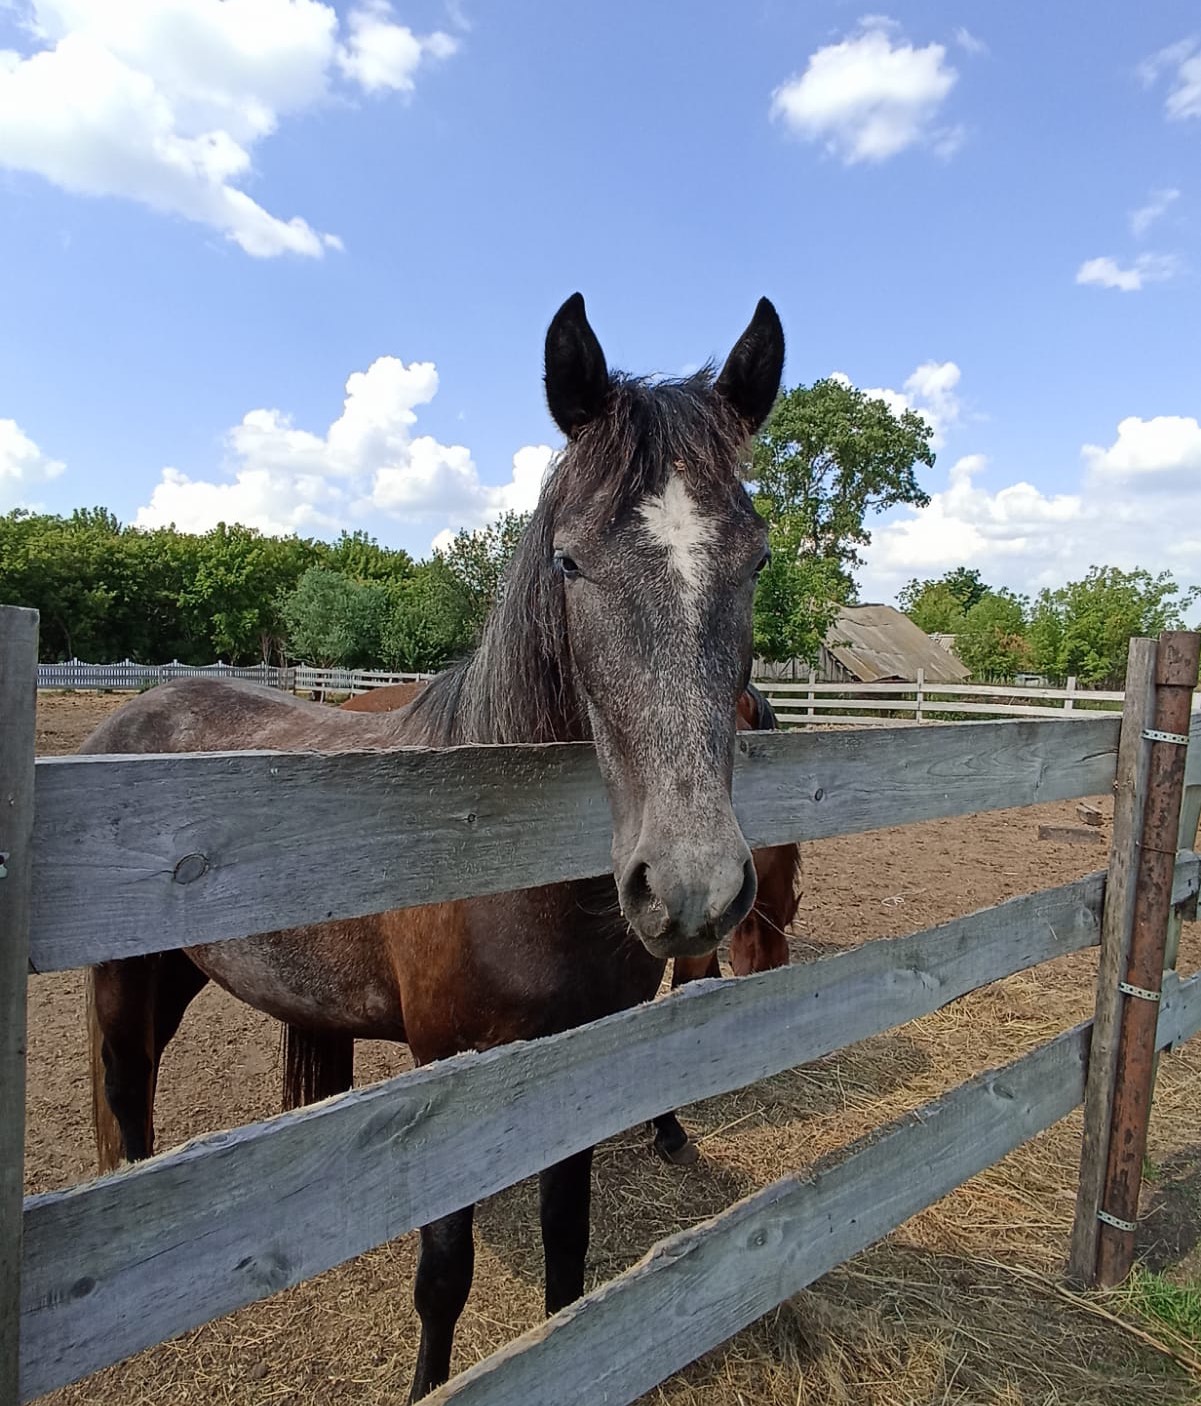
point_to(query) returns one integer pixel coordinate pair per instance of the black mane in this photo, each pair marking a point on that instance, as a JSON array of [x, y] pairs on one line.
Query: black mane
[[517, 686]]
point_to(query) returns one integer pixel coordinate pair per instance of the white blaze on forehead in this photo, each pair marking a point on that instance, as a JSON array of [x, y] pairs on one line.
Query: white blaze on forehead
[[673, 521]]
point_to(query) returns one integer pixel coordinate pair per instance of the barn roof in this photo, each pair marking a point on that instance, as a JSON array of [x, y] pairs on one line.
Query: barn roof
[[875, 643]]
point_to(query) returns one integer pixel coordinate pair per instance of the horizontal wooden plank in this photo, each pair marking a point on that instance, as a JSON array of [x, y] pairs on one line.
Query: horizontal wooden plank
[[1008, 710], [139, 854], [703, 1285], [848, 690], [696, 1289], [117, 1264], [881, 705], [982, 690], [857, 719]]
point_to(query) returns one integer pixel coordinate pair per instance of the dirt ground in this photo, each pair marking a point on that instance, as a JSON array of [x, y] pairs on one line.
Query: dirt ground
[[960, 1305]]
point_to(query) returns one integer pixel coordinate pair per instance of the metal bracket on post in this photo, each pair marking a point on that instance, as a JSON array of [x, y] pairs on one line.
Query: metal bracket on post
[[1140, 991], [1152, 734], [1117, 1222]]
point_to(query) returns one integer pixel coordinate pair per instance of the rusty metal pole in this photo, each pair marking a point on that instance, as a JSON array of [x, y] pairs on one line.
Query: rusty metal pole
[[1175, 678]]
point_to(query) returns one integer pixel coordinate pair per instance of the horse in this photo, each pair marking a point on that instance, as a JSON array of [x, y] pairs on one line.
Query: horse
[[638, 566], [759, 943]]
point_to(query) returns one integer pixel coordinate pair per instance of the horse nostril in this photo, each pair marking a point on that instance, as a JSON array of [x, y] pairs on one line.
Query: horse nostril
[[745, 899], [637, 897]]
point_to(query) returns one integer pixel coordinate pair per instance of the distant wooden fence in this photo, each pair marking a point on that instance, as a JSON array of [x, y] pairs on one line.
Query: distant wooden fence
[[299, 678], [128, 676], [307, 679], [116, 1265], [898, 704]]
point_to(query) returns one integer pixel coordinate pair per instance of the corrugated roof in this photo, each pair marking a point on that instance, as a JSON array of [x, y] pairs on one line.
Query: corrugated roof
[[879, 642]]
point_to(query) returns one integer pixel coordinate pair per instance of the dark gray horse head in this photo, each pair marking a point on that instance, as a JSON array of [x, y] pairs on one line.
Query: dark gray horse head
[[654, 546]]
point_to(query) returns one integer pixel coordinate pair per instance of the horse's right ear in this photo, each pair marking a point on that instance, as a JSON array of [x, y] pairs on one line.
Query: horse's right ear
[[750, 379], [577, 378]]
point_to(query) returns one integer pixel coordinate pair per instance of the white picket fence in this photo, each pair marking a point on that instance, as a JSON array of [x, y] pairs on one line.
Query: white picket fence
[[132, 677]]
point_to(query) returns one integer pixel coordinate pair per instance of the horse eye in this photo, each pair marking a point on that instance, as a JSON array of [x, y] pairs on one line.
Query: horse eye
[[764, 562], [566, 565]]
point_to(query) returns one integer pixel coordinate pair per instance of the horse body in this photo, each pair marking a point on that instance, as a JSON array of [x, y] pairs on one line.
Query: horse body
[[638, 565]]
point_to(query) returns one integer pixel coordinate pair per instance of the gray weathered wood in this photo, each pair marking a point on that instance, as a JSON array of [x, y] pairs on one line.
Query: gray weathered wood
[[129, 1260], [293, 838], [280, 840], [1190, 818], [18, 709], [696, 1289], [1130, 790], [701, 1286], [1069, 835]]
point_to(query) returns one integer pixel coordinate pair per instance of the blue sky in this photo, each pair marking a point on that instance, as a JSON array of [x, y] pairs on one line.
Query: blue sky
[[291, 263]]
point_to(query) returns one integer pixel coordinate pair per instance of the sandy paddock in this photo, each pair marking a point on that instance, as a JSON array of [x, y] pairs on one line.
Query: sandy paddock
[[958, 1305]]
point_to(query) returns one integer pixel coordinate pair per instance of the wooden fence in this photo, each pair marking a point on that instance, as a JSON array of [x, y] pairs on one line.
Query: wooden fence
[[132, 677], [94, 870], [308, 679], [812, 701]]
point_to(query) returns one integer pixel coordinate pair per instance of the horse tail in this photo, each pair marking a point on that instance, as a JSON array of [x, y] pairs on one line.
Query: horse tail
[[316, 1065], [110, 1145]]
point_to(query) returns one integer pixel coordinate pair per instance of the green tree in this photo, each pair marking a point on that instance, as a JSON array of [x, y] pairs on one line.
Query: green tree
[[332, 620], [940, 606], [991, 641], [1085, 627], [478, 561], [430, 622], [827, 458]]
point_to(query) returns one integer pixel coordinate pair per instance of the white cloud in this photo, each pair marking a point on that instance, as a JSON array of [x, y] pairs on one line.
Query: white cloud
[[1147, 268], [22, 464], [1136, 503], [282, 478], [1163, 452], [870, 95], [1183, 61], [164, 101], [930, 390], [1146, 215], [968, 42]]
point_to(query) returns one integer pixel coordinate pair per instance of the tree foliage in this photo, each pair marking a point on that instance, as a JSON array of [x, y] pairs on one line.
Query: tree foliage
[[827, 458], [478, 561], [1084, 628]]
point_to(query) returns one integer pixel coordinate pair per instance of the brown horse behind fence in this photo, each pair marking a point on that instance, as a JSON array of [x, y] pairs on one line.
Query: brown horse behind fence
[[758, 944], [638, 565]]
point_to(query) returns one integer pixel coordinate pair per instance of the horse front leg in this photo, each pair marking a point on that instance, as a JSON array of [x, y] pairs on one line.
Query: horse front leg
[[564, 1204], [445, 1269]]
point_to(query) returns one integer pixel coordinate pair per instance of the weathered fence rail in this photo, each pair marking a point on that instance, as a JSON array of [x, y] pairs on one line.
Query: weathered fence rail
[[137, 854], [307, 679]]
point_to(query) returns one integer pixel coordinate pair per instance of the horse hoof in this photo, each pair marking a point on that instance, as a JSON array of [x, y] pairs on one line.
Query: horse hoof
[[684, 1154]]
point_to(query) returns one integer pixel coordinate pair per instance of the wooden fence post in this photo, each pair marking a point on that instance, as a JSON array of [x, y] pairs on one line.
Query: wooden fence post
[[1069, 703], [1175, 678], [18, 709], [812, 681], [921, 683], [1130, 792]]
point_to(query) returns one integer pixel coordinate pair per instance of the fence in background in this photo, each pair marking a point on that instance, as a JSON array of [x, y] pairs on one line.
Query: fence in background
[[131, 677]]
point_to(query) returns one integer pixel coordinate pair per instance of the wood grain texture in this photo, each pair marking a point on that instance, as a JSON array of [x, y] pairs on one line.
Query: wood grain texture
[[117, 1264], [1130, 793], [18, 708], [1176, 668], [702, 1286], [278, 840]]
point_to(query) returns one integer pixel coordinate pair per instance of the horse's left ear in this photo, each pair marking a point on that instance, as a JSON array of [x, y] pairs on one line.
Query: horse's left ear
[[750, 379], [577, 377]]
